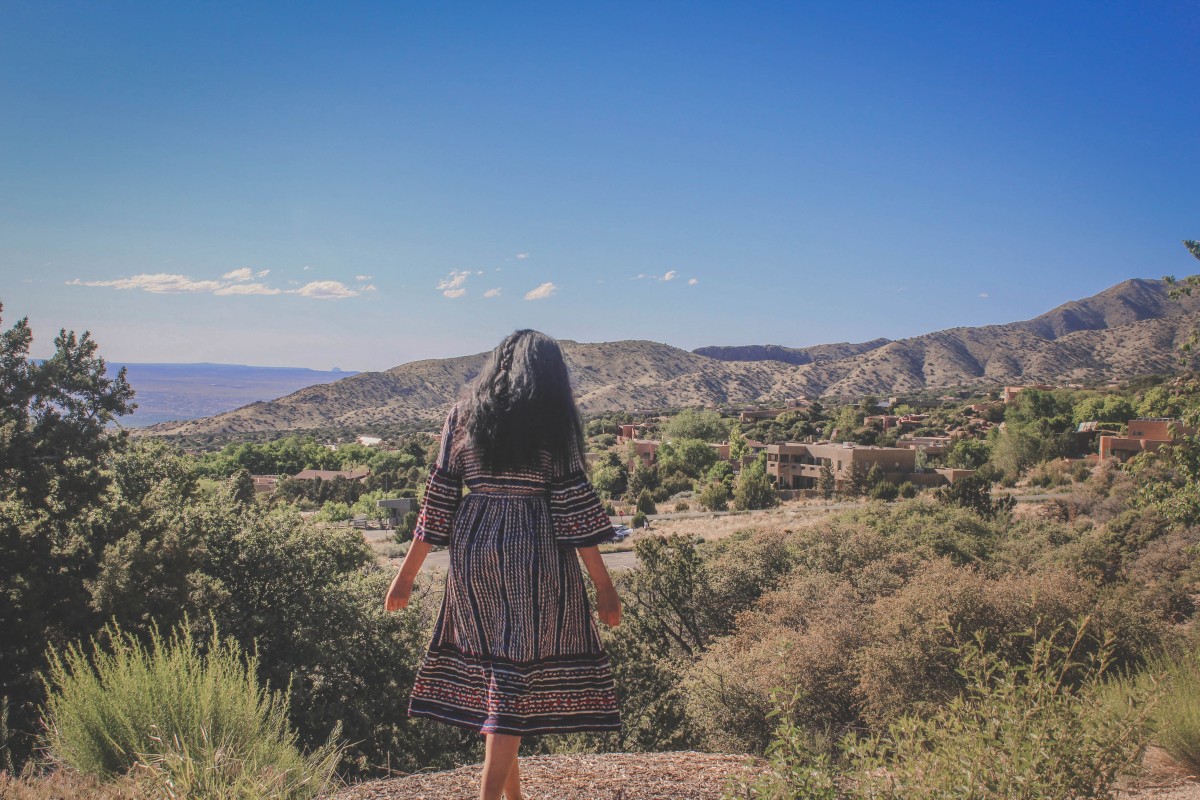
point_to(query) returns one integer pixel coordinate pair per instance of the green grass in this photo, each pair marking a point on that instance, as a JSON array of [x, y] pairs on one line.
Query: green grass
[[192, 723]]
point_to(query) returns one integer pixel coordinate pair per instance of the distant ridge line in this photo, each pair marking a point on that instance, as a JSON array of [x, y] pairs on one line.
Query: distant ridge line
[[1127, 330]]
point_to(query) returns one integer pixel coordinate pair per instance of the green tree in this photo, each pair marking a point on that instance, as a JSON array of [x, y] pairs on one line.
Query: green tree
[[692, 457], [241, 487], [643, 478], [704, 424], [645, 503], [737, 444], [54, 441], [974, 492], [858, 479], [968, 454], [714, 497], [753, 487], [1112, 409], [610, 480], [826, 481]]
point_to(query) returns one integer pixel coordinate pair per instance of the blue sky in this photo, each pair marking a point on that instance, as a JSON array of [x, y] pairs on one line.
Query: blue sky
[[364, 184]]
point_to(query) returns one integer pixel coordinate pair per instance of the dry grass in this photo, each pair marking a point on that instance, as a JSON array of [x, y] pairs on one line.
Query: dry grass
[[67, 785]]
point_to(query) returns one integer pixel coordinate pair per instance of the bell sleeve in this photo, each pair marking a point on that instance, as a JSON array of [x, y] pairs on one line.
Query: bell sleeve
[[578, 518], [443, 492]]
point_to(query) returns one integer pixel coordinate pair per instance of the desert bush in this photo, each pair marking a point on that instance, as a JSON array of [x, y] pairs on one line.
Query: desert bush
[[681, 506], [1030, 729], [884, 491], [1177, 721], [714, 497], [907, 490], [1048, 475], [199, 721], [800, 636]]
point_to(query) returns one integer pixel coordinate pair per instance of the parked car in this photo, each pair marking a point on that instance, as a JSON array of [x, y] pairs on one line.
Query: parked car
[[620, 533]]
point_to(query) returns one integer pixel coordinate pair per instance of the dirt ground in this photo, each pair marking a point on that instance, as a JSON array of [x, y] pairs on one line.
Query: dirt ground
[[671, 776]]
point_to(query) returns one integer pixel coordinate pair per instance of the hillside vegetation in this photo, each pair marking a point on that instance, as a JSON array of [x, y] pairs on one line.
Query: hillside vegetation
[[1128, 330]]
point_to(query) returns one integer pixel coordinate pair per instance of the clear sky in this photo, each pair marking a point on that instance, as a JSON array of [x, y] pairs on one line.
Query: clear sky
[[364, 184]]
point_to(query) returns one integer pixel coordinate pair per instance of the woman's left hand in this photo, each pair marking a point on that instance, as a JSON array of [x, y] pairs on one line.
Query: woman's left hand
[[608, 606]]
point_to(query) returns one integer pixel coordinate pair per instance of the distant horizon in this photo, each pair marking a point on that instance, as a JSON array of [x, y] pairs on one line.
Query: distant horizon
[[374, 185], [122, 362]]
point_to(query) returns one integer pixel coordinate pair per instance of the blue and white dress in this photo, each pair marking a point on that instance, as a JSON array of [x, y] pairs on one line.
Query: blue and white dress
[[515, 649]]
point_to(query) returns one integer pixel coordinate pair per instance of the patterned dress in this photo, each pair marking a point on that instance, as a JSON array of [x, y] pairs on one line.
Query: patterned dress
[[515, 649]]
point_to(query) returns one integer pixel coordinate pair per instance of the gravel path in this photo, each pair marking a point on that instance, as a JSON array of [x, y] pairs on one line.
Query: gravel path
[[660, 776], [611, 776]]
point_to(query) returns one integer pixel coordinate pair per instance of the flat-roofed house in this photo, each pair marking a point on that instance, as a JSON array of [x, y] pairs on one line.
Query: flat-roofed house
[[1143, 435], [797, 465]]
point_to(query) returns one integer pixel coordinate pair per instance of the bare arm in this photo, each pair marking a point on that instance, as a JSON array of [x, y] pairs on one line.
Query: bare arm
[[400, 591], [608, 605]]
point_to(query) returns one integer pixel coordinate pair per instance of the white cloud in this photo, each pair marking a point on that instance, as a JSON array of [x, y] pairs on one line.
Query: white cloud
[[692, 281], [157, 283], [452, 285], [983, 295], [669, 275], [262, 273], [542, 292], [522, 256], [247, 288], [325, 290], [492, 293], [243, 274], [363, 278], [367, 287], [307, 268]]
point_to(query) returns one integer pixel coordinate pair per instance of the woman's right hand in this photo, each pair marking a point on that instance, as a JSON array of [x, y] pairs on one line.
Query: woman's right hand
[[398, 593]]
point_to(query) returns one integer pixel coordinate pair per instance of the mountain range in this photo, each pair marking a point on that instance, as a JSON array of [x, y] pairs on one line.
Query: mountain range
[[1128, 330]]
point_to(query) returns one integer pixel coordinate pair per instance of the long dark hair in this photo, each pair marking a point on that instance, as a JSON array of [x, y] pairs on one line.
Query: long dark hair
[[521, 406]]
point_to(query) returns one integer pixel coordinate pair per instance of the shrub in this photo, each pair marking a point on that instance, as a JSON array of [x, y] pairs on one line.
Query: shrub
[[714, 497], [639, 520], [404, 530], [907, 490], [1029, 729], [1025, 729], [645, 503], [681, 506], [1177, 722], [884, 491], [198, 722]]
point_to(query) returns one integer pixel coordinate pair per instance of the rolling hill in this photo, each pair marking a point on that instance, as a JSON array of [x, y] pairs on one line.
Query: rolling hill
[[1127, 330]]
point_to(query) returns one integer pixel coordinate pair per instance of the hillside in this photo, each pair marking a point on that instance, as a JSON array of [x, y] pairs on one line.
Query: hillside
[[1128, 330]]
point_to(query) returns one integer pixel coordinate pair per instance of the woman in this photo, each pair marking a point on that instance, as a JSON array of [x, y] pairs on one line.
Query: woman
[[514, 650]]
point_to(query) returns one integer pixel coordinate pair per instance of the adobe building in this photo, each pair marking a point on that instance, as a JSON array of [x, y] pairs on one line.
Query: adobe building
[[630, 432], [796, 465], [1009, 393], [755, 414], [1141, 436], [647, 453]]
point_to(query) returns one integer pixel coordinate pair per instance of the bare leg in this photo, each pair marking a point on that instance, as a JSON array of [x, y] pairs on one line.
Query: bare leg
[[498, 763], [512, 786]]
